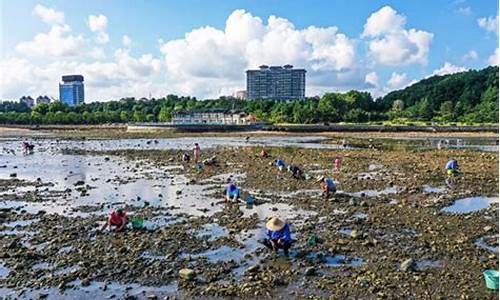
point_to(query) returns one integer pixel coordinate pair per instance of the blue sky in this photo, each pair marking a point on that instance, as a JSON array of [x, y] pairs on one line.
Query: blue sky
[[202, 48]]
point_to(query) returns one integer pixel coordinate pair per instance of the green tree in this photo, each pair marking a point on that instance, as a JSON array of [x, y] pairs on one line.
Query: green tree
[[446, 111]]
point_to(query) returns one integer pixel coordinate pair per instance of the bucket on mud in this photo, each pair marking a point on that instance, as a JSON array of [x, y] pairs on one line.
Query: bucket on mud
[[249, 200], [491, 278], [199, 167], [313, 240], [137, 223]]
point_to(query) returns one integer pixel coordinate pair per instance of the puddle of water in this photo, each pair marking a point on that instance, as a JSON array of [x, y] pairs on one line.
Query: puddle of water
[[428, 264], [66, 249], [375, 193], [360, 215], [266, 210], [18, 232], [67, 270], [43, 266], [95, 290], [431, 189], [153, 255], [373, 167], [4, 271], [211, 232], [346, 231], [336, 260], [159, 222], [485, 144], [223, 253], [21, 223], [489, 243], [469, 205]]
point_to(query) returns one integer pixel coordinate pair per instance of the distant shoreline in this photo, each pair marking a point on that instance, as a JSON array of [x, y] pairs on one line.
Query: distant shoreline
[[117, 131], [299, 128]]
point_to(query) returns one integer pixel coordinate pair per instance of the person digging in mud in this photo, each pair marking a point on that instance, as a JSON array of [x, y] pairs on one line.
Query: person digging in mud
[[231, 192], [263, 153], [196, 153], [28, 148], [296, 172], [116, 221], [337, 164], [452, 170], [278, 235], [327, 185], [280, 164], [186, 157]]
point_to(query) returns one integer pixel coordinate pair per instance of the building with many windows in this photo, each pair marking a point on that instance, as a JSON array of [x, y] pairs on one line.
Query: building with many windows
[[42, 99], [210, 117], [30, 102], [240, 95], [276, 82], [71, 90]]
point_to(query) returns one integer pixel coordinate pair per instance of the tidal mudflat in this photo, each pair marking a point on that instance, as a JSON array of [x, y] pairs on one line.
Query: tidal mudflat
[[394, 229]]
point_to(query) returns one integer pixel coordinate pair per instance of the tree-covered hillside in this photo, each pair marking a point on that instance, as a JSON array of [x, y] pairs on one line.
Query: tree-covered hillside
[[466, 96], [470, 97]]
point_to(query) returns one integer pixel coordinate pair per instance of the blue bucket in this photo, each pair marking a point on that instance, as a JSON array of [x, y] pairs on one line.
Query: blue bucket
[[249, 200]]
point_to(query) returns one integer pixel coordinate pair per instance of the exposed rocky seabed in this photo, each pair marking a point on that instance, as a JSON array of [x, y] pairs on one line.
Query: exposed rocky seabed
[[393, 230]]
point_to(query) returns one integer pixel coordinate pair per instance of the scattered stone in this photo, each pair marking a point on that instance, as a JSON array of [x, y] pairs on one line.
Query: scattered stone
[[187, 274], [310, 271], [407, 265]]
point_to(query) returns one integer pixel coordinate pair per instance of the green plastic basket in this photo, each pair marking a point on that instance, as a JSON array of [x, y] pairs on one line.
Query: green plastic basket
[[137, 223], [491, 278]]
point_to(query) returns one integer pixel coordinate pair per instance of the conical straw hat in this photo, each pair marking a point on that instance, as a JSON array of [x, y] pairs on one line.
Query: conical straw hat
[[275, 224]]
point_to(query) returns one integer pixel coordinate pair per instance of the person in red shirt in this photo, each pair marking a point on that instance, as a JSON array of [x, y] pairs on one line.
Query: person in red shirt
[[116, 221]]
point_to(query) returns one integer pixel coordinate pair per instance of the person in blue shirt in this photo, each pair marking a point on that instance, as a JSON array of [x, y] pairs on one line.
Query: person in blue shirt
[[278, 235], [231, 192], [451, 171], [451, 167], [327, 185], [280, 164]]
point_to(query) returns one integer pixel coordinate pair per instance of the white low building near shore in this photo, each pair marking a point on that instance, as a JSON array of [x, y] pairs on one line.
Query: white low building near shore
[[210, 117]]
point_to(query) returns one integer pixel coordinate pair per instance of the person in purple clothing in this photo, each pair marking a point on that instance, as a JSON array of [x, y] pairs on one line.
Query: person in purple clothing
[[277, 235]]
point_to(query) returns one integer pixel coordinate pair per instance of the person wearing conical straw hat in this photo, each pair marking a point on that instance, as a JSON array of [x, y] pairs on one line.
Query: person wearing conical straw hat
[[327, 185], [278, 235]]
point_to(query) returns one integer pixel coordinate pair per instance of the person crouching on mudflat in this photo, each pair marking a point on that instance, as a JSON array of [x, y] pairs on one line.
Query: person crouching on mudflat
[[278, 235], [116, 221]]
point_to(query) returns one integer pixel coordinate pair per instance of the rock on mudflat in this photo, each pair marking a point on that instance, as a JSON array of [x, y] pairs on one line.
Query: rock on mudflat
[[252, 269], [187, 273], [407, 265], [311, 271]]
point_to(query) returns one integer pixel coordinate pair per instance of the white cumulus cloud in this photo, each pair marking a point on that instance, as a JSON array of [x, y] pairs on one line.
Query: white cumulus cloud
[[372, 78], [99, 24], [208, 60], [57, 42], [48, 15], [448, 68], [470, 55], [390, 43], [397, 81], [126, 41], [494, 59], [489, 24]]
